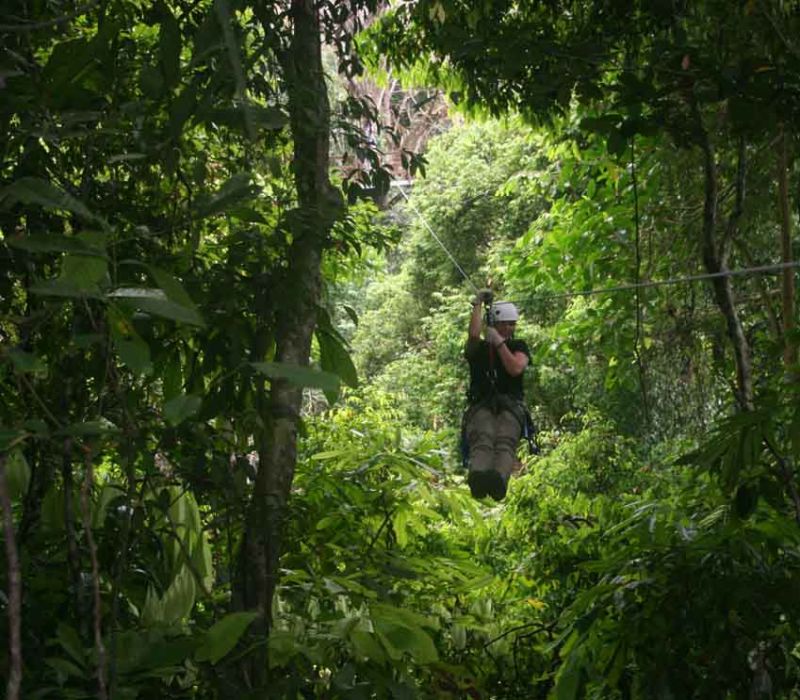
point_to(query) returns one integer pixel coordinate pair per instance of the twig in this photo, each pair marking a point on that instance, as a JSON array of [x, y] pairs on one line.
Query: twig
[[378, 533], [102, 693], [540, 627], [39, 400], [32, 26], [73, 558], [637, 338], [14, 590]]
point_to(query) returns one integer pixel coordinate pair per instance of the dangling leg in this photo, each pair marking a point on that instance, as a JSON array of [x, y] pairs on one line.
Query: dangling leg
[[481, 431], [508, 432]]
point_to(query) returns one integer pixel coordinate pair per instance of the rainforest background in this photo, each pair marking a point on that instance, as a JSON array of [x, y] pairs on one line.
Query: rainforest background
[[232, 373]]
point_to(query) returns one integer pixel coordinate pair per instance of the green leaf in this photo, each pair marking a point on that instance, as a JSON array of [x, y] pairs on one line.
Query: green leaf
[[53, 244], [88, 428], [171, 286], [182, 407], [34, 190], [367, 645], [84, 272], [18, 474], [299, 376], [70, 642], [569, 678], [282, 647], [223, 636], [181, 109], [352, 313], [26, 362], [132, 349], [60, 288], [237, 188], [267, 118], [65, 667], [135, 353], [155, 302], [335, 358], [413, 640], [169, 46], [401, 616], [178, 600]]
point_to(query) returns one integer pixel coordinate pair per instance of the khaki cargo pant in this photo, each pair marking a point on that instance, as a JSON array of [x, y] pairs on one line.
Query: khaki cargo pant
[[493, 432]]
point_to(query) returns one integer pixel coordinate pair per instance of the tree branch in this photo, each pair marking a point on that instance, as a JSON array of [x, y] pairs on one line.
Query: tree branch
[[14, 590], [86, 490]]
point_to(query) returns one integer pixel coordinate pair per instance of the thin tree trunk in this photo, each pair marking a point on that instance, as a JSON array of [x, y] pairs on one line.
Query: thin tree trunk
[[787, 276], [14, 591], [318, 206], [715, 258]]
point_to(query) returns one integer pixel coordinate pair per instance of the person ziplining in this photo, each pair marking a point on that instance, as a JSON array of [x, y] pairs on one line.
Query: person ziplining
[[496, 416]]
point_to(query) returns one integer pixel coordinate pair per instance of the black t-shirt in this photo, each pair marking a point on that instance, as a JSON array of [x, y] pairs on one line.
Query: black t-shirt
[[480, 370]]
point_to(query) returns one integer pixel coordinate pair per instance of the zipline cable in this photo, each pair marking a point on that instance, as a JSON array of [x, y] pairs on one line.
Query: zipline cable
[[757, 269], [437, 239]]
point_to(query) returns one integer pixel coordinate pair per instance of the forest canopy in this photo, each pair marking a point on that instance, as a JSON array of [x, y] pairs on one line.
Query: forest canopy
[[238, 244]]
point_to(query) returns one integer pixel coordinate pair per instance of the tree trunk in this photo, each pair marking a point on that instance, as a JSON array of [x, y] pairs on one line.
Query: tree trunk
[[715, 258], [787, 276], [295, 304]]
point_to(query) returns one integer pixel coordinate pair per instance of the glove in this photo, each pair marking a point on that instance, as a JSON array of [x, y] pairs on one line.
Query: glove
[[483, 296], [493, 337]]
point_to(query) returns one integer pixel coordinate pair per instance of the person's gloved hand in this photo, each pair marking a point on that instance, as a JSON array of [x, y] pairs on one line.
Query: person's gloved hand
[[493, 337], [483, 296]]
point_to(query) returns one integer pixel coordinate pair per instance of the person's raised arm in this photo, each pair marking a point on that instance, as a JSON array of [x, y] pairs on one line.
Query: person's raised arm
[[476, 319]]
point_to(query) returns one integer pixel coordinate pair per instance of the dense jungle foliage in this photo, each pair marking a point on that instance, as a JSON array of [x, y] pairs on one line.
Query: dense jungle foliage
[[232, 349]]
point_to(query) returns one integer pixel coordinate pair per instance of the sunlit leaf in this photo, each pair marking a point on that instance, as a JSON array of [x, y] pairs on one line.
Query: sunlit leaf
[[33, 190], [297, 375], [223, 636]]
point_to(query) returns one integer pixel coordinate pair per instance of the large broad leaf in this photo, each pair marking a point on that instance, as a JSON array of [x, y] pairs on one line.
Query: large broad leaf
[[267, 118], [135, 353], [224, 635], [171, 286], [156, 302], [26, 362], [335, 358], [176, 603], [181, 407], [61, 288], [412, 640], [367, 645], [236, 189], [85, 272], [34, 190], [18, 474], [299, 376], [334, 355]]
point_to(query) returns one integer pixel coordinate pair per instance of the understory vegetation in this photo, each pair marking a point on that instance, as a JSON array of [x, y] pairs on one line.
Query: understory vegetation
[[232, 329]]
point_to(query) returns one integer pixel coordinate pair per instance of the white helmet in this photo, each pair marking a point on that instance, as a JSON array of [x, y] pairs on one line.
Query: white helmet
[[504, 311]]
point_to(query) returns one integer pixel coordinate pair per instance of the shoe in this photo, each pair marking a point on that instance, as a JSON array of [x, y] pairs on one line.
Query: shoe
[[487, 483]]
